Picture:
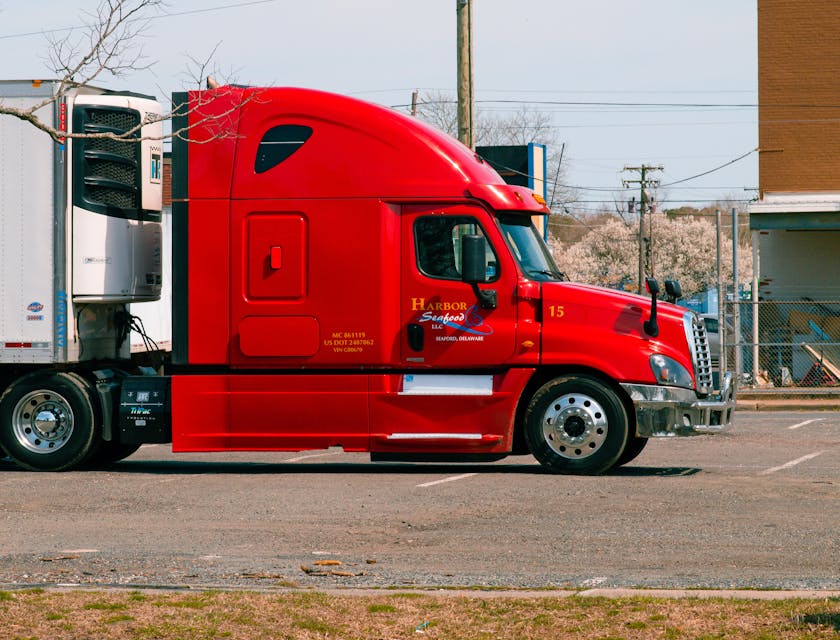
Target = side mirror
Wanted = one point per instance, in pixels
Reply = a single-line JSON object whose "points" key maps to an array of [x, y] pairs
{"points": [[474, 269], [673, 290], [473, 259], [651, 327]]}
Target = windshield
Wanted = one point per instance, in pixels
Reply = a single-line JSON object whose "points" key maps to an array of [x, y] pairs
{"points": [[528, 247]]}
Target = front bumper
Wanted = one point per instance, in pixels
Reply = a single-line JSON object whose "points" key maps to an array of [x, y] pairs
{"points": [[674, 411]]}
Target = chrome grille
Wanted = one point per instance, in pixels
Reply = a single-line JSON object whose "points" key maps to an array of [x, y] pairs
{"points": [[701, 357]]}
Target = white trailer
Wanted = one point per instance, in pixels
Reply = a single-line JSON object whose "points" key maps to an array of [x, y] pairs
{"points": [[80, 239]]}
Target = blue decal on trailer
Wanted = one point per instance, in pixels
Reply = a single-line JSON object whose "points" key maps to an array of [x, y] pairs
{"points": [[61, 318]]}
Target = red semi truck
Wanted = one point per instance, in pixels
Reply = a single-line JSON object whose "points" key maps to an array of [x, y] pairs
{"points": [[347, 276]]}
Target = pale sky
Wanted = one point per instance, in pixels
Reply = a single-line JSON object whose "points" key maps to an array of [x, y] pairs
{"points": [[662, 82]]}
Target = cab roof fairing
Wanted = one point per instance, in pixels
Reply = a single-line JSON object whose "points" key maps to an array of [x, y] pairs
{"points": [[395, 155], [506, 197]]}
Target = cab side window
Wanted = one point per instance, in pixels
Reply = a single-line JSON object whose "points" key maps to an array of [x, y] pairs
{"points": [[437, 241], [278, 144]]}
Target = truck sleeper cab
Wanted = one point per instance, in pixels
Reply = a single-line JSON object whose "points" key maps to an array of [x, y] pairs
{"points": [[347, 276]]}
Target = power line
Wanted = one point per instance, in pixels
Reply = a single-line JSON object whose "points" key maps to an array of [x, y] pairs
{"points": [[688, 188], [175, 14], [619, 189], [497, 165], [669, 200], [445, 90], [616, 91], [705, 173], [669, 105], [675, 182], [588, 103], [598, 103]]}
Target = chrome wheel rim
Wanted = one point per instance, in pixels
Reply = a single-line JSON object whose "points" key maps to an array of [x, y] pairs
{"points": [[575, 426], [42, 421]]}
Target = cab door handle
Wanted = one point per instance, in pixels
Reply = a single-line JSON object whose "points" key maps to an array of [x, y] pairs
{"points": [[415, 336]]}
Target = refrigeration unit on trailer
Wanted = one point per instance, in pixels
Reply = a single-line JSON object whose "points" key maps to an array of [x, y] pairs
{"points": [[80, 241]]}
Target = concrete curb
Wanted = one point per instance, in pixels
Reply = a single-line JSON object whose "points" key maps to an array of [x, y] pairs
{"points": [[818, 399], [732, 594], [787, 404], [674, 594], [477, 593]]}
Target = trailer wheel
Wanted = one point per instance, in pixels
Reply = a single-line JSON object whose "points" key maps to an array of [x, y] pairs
{"points": [[110, 452], [576, 424], [49, 422]]}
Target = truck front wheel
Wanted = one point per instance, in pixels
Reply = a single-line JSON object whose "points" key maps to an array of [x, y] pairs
{"points": [[576, 424], [635, 445], [48, 421]]}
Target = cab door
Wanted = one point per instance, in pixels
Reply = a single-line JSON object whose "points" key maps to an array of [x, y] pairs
{"points": [[443, 323]]}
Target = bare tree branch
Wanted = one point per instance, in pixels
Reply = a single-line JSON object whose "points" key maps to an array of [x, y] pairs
{"points": [[205, 73], [109, 43]]}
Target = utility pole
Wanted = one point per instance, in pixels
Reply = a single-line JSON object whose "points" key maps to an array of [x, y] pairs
{"points": [[466, 94], [414, 96], [736, 303], [645, 235]]}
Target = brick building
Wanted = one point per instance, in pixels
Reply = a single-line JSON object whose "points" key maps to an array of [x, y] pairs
{"points": [[797, 217]]}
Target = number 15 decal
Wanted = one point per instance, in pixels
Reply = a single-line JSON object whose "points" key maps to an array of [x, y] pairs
{"points": [[556, 311]]}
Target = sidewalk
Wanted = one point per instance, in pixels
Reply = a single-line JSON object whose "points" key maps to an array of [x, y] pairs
{"points": [[788, 399]]}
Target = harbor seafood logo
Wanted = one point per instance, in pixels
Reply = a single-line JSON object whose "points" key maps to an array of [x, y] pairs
{"points": [[458, 315]]}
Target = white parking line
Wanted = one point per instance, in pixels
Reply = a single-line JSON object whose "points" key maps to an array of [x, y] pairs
{"points": [[792, 463], [314, 455], [449, 479], [802, 424]]}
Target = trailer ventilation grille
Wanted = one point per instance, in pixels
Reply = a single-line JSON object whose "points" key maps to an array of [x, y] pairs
{"points": [[114, 147], [112, 197], [107, 171], [701, 355], [119, 121], [113, 171]]}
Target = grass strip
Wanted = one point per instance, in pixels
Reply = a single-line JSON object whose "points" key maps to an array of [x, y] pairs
{"points": [[103, 615]]}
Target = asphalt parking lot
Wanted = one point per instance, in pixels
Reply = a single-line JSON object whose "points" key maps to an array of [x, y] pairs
{"points": [[757, 507]]}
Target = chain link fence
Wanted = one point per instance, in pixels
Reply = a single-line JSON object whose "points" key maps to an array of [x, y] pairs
{"points": [[782, 344]]}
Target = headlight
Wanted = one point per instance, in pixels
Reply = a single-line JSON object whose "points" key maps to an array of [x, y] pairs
{"points": [[670, 372]]}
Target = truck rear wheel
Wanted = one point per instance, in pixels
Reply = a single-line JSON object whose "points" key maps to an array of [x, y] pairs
{"points": [[576, 424], [49, 422], [110, 452]]}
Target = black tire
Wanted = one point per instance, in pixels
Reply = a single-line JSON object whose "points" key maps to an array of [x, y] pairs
{"points": [[577, 425], [110, 452], [632, 449], [49, 421]]}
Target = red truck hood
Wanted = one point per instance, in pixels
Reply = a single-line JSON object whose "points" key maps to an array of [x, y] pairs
{"points": [[603, 329]]}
